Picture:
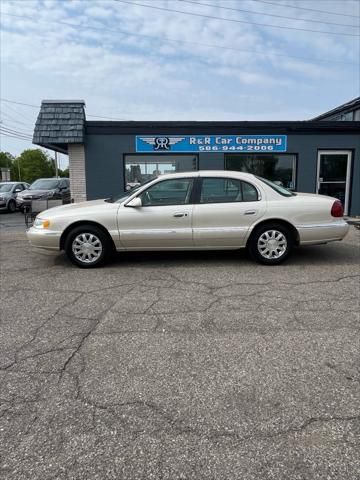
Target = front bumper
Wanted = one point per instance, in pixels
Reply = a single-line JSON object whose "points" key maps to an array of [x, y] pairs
{"points": [[43, 238], [20, 202]]}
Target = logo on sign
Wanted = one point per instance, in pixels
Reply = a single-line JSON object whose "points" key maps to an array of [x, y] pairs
{"points": [[212, 143], [162, 143]]}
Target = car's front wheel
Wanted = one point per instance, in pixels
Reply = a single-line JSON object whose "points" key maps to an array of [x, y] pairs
{"points": [[271, 244], [11, 206], [87, 246]]}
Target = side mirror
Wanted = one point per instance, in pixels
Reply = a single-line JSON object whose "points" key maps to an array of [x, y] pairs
{"points": [[17, 190], [135, 202]]}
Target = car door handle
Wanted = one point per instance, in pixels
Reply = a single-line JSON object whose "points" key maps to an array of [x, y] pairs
{"points": [[250, 212], [180, 214]]}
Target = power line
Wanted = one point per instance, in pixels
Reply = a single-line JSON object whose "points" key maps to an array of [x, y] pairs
{"points": [[305, 8], [36, 106], [15, 137], [19, 116], [212, 17], [18, 103], [186, 42], [14, 111], [12, 119], [12, 129], [15, 132], [267, 14]]}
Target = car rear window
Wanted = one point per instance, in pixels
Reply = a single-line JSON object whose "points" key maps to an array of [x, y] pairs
{"points": [[281, 190]]}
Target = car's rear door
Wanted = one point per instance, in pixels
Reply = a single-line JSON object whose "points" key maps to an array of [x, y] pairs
{"points": [[225, 210], [163, 221]]}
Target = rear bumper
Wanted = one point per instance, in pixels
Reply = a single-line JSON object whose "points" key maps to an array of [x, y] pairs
{"points": [[41, 238], [311, 234]]}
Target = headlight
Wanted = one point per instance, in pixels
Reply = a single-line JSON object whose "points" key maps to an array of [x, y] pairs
{"points": [[41, 223]]}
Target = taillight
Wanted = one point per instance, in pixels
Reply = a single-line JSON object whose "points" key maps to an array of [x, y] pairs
{"points": [[337, 209]]}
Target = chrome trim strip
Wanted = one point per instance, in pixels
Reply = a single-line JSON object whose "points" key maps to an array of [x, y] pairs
{"points": [[323, 225], [220, 229], [154, 231]]}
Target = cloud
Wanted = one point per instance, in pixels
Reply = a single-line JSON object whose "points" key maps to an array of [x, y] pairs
{"points": [[117, 58]]}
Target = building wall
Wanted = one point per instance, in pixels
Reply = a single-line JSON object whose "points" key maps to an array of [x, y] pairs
{"points": [[105, 169], [77, 172]]}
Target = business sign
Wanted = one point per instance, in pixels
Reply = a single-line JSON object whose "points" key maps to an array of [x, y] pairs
{"points": [[211, 143]]}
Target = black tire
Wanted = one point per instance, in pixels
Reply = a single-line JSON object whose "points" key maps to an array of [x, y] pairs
{"points": [[11, 207], [271, 253], [85, 232]]}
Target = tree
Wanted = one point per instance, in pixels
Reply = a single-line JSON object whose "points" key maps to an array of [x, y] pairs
{"points": [[6, 159], [32, 164], [64, 173]]}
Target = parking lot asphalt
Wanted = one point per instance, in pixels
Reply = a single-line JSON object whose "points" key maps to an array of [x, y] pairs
{"points": [[179, 365]]}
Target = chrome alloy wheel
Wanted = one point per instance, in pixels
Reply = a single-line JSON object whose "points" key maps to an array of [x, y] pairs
{"points": [[87, 247], [272, 244]]}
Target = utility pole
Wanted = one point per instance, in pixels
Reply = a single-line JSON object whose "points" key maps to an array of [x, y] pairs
{"points": [[56, 166], [18, 162]]}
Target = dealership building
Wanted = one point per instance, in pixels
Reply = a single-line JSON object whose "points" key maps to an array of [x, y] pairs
{"points": [[321, 155]]}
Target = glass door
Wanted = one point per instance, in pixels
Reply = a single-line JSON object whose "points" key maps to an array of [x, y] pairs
{"points": [[333, 176]]}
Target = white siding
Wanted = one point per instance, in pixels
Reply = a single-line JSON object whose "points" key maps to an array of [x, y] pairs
{"points": [[77, 172]]}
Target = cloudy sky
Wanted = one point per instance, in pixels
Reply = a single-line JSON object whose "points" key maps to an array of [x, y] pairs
{"points": [[145, 60]]}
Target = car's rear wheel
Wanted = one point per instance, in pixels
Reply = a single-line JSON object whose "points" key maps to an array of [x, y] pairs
{"points": [[271, 244], [87, 246], [11, 206]]}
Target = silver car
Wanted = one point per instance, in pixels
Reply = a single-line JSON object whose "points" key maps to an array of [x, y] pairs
{"points": [[8, 193], [189, 211]]}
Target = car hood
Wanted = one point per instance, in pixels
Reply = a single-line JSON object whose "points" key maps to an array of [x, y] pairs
{"points": [[73, 207], [34, 192]]}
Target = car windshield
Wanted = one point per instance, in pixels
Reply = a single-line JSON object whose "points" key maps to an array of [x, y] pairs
{"points": [[5, 187], [123, 196], [44, 184], [278, 188]]}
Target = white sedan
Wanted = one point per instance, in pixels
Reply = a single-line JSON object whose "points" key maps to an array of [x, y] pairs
{"points": [[192, 210]]}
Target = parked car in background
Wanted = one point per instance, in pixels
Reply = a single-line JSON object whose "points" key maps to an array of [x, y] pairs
{"points": [[45, 188], [193, 210], [8, 194]]}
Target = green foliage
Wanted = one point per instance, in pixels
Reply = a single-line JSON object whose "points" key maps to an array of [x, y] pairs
{"points": [[64, 173], [6, 159], [32, 164]]}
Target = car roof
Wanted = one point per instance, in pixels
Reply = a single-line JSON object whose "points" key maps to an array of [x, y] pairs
{"points": [[209, 173], [51, 178]]}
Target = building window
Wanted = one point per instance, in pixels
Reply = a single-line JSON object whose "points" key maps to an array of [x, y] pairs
{"points": [[141, 168], [279, 168]]}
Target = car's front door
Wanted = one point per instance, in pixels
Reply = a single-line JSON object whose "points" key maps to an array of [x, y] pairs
{"points": [[164, 220], [225, 211]]}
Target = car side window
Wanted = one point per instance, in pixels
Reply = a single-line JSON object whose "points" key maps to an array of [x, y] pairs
{"points": [[220, 190], [176, 191], [250, 194], [18, 187]]}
